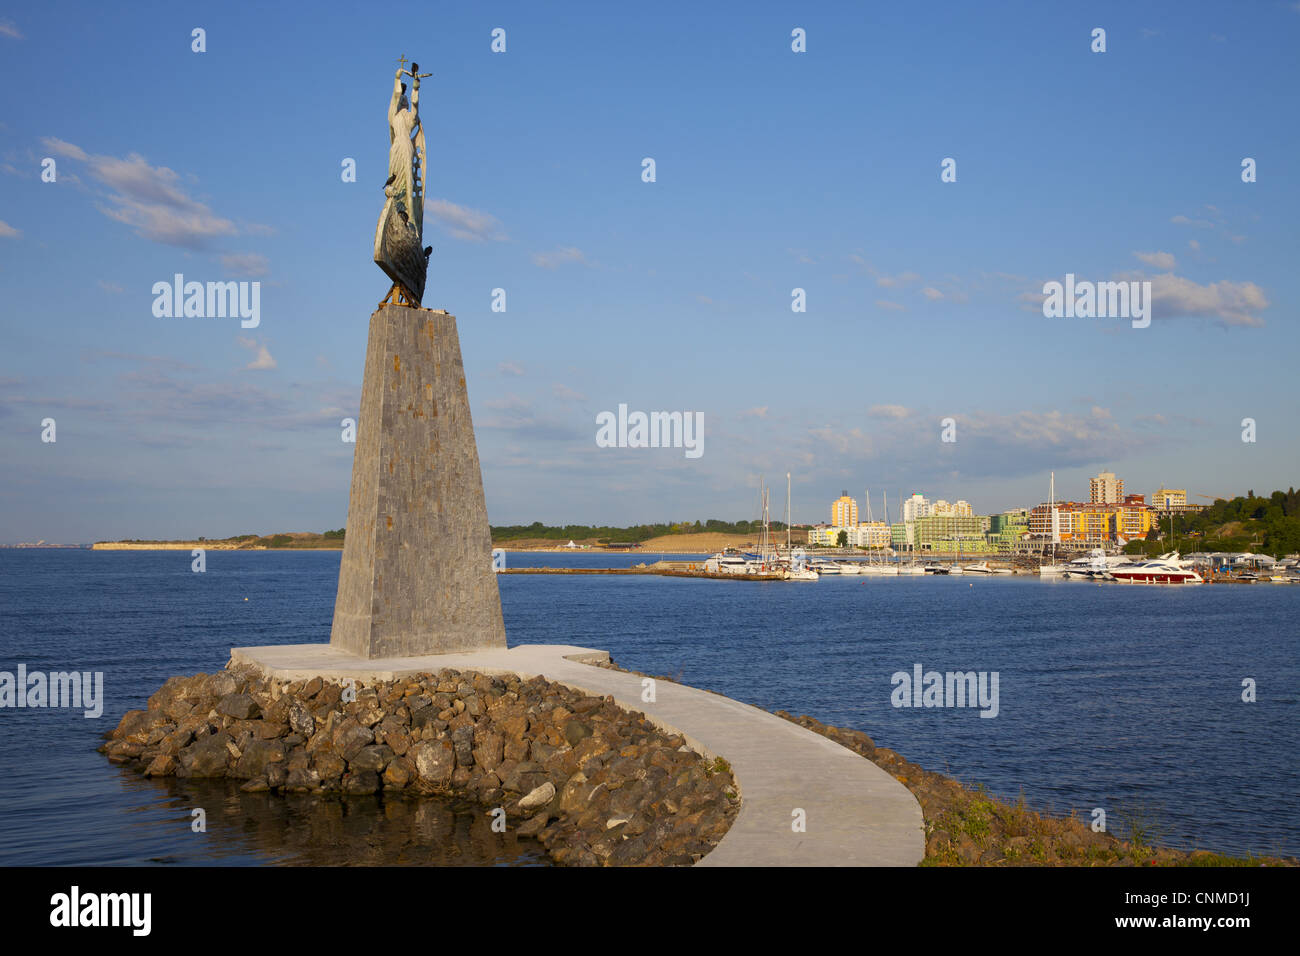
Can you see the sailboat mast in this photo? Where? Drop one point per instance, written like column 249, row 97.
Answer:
column 1051, row 515
column 787, row 514
column 886, row 497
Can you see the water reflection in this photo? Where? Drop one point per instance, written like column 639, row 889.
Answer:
column 325, row 830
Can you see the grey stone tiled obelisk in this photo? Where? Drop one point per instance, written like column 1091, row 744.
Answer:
column 416, row 576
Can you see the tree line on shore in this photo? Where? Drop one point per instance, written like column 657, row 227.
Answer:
column 607, row 534
column 1264, row 525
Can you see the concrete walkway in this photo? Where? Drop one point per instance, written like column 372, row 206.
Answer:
column 855, row 813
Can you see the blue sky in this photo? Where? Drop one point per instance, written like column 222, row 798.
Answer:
column 775, row 170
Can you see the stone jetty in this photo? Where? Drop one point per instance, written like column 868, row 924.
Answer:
column 597, row 784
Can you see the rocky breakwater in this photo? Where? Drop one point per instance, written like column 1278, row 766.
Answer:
column 596, row 784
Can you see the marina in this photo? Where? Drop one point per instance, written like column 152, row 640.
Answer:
column 1167, row 569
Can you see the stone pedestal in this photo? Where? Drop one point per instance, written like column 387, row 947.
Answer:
column 416, row 576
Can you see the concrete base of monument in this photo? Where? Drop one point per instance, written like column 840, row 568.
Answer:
column 806, row 801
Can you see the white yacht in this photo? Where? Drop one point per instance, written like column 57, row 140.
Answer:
column 1166, row 569
column 723, row 563
column 981, row 568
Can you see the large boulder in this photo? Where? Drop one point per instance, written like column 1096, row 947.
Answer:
column 208, row 757
column 435, row 761
column 239, row 707
column 257, row 755
column 488, row 751
column 300, row 720
column 350, row 737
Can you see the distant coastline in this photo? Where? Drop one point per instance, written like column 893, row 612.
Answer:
column 227, row 546
column 707, row 542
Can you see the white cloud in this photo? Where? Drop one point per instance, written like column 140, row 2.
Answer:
column 931, row 293
column 149, row 199
column 7, row 29
column 559, row 257
column 892, row 306
column 1232, row 303
column 888, row 411
column 112, row 287
column 1159, row 260
column 1184, row 221
column 758, row 411
column 9, row 232
column 61, row 148
column 246, row 263
column 844, row 441
column 262, row 360
column 901, row 279
column 567, row 394
column 510, row 368
column 463, row 222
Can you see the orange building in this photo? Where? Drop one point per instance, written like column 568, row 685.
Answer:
column 844, row 512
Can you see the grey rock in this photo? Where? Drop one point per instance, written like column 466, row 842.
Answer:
column 435, row 761
column 373, row 758
column 208, row 757
column 576, row 731
column 238, row 706
column 350, row 737
column 462, row 739
column 257, row 756
column 538, row 797
column 301, row 720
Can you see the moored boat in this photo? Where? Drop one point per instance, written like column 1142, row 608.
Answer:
column 1166, row 569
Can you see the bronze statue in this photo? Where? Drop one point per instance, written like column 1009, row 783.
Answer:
column 400, row 233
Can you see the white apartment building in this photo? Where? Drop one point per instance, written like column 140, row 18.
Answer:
column 870, row 534
column 917, row 506
column 1106, row 489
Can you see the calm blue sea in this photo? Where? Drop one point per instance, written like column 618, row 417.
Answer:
column 1119, row 697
